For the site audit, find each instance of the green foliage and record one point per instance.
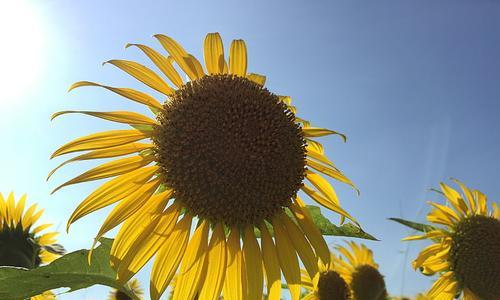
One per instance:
(71, 270)
(328, 228)
(414, 225)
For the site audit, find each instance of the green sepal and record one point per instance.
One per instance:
(414, 225)
(328, 228)
(71, 270)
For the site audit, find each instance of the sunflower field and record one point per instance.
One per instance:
(250, 150)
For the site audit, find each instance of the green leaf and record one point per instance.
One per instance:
(327, 228)
(414, 225)
(71, 271)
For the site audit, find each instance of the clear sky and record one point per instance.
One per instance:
(415, 85)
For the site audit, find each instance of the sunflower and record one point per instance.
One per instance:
(21, 243)
(355, 278)
(220, 154)
(133, 285)
(466, 246)
(326, 284)
(357, 267)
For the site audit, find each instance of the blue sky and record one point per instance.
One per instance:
(415, 85)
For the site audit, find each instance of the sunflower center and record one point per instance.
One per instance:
(332, 287)
(119, 295)
(475, 256)
(230, 150)
(18, 248)
(368, 284)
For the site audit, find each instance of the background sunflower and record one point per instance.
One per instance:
(22, 244)
(466, 246)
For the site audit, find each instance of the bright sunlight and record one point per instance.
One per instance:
(21, 49)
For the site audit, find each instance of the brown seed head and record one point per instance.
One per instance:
(475, 256)
(230, 149)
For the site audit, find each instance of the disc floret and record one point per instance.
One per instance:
(230, 150)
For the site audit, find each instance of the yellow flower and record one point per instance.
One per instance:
(222, 154)
(351, 275)
(466, 247)
(133, 285)
(22, 244)
(327, 283)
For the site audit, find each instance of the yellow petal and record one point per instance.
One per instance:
(151, 213)
(468, 195)
(126, 117)
(257, 78)
(113, 191)
(235, 282)
(216, 272)
(106, 153)
(288, 259)
(482, 208)
(238, 58)
(128, 206)
(253, 263)
(328, 203)
(309, 228)
(271, 264)
(101, 140)
(332, 172)
(143, 74)
(162, 63)
(214, 54)
(194, 264)
(169, 257)
(180, 56)
(110, 169)
(18, 212)
(301, 245)
(317, 132)
(455, 199)
(147, 244)
(128, 93)
(315, 150)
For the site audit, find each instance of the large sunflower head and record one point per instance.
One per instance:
(466, 246)
(133, 285)
(221, 154)
(22, 244)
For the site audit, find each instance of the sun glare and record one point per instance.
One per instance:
(21, 49)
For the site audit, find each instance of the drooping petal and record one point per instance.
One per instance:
(216, 272)
(193, 266)
(253, 262)
(288, 259)
(105, 153)
(180, 56)
(113, 191)
(309, 228)
(162, 63)
(235, 282)
(301, 245)
(169, 257)
(143, 74)
(128, 93)
(125, 117)
(101, 140)
(110, 169)
(271, 264)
